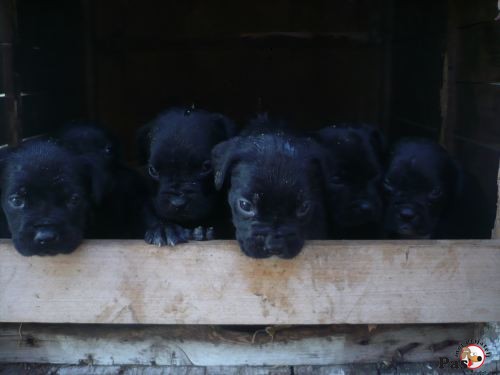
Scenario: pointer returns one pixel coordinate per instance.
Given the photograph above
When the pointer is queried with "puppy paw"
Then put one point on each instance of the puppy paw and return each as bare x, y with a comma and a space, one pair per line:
203, 234
175, 234
166, 234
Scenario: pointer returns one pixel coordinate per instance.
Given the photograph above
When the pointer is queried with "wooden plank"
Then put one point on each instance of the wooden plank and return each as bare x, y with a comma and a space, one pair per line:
11, 100
331, 282
478, 59
478, 113
222, 18
476, 12
496, 230
220, 346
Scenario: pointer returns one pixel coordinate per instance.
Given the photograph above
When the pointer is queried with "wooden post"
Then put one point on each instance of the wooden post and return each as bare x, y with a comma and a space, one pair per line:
89, 66
7, 36
448, 89
496, 228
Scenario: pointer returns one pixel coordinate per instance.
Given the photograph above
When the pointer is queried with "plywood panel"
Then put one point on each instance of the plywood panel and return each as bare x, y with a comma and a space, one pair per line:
214, 283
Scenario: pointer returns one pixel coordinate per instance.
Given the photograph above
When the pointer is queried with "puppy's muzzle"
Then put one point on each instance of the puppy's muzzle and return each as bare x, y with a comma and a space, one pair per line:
277, 243
46, 235
407, 214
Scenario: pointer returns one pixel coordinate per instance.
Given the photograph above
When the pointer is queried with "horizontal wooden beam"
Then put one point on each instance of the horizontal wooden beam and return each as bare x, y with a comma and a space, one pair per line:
169, 345
331, 282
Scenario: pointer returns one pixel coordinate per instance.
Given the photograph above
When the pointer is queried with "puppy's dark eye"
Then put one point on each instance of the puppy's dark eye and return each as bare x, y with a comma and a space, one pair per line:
435, 194
16, 201
206, 167
304, 208
108, 150
388, 186
246, 207
74, 200
153, 172
337, 180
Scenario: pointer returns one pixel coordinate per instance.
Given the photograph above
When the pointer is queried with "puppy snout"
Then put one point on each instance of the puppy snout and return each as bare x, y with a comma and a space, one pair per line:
366, 207
46, 235
275, 245
178, 201
407, 214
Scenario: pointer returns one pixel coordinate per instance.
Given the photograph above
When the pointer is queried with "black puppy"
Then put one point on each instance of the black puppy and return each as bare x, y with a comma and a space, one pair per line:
354, 179
275, 185
118, 214
45, 192
177, 147
430, 196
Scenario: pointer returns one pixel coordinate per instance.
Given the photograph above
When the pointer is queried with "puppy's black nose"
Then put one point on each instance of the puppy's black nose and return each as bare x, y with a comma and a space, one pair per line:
275, 245
177, 201
46, 236
365, 206
407, 214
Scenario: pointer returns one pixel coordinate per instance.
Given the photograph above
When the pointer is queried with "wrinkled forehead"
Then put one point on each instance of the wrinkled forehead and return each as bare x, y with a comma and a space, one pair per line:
271, 182
51, 175
415, 174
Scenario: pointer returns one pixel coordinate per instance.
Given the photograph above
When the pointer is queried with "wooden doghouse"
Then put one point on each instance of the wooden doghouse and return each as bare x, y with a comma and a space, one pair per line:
427, 68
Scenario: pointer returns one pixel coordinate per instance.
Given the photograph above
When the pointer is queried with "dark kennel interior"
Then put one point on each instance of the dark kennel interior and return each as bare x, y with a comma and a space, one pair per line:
427, 68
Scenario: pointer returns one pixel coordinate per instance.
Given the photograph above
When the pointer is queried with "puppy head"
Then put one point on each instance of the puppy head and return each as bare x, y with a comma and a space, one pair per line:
177, 147
420, 183
83, 138
274, 191
44, 194
354, 177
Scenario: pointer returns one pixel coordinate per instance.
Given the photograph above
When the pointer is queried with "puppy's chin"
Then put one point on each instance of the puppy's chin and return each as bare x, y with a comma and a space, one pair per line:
197, 209
405, 231
26, 247
352, 220
254, 247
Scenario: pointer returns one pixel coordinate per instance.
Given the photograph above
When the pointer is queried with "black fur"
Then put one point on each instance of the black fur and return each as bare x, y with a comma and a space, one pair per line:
275, 185
354, 179
177, 148
46, 193
118, 213
430, 196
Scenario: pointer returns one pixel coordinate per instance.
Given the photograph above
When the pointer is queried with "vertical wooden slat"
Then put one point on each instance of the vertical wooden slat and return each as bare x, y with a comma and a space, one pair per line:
7, 36
496, 229
448, 89
89, 67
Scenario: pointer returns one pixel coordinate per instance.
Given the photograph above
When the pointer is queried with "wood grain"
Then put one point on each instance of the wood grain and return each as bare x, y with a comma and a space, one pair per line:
169, 345
496, 229
214, 283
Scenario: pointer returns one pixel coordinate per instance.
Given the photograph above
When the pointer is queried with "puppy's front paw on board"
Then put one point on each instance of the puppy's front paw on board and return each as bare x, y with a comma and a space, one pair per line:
202, 234
166, 234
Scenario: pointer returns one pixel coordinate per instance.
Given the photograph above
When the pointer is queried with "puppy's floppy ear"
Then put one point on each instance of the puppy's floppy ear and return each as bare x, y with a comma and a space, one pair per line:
143, 141
318, 156
224, 156
4, 153
98, 181
377, 139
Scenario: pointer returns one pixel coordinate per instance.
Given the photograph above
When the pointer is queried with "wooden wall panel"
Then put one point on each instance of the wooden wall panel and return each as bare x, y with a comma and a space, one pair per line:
479, 54
330, 282
311, 63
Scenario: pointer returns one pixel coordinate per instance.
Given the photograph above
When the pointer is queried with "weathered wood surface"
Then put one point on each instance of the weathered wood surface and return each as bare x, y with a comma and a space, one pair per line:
331, 282
404, 369
218, 346
496, 229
